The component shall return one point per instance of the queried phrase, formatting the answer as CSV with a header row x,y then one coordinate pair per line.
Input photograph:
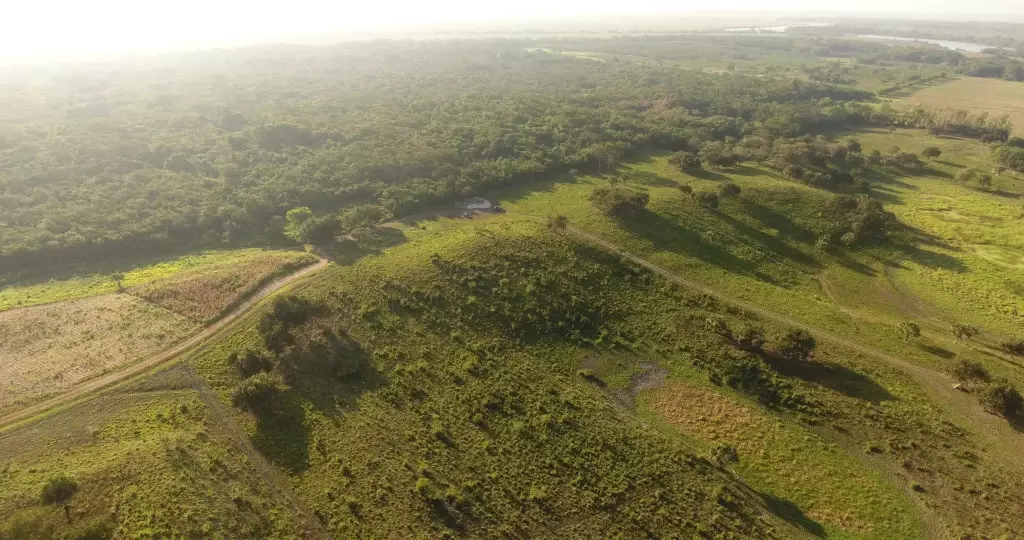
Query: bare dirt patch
x,y
45,349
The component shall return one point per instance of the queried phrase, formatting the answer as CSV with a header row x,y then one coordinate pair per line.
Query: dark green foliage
x,y
1013,348
932,152
257,393
1001,398
796,345
724,455
968,371
908,330
685,161
857,220
58,490
286,313
962,331
188,160
558,223
750,338
250,362
707,199
619,201
728,190
364,215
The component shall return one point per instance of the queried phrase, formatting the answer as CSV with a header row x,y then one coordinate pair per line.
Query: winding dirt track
x,y
937,384
166,356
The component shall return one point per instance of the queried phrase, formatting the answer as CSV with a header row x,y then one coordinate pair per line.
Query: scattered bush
x,y
250,362
58,490
707,199
724,455
908,330
968,371
1013,348
1001,398
797,345
257,393
619,201
728,190
685,160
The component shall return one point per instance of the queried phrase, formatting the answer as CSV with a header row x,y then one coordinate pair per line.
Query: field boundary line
x,y
161,359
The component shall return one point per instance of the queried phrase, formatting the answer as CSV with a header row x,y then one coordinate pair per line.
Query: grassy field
x,y
148,462
203,294
994,96
490,377
24,292
45,349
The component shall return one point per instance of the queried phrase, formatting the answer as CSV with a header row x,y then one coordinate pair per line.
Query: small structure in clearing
x,y
476,203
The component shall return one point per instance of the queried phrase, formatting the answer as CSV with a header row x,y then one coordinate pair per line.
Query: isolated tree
x,y
557,223
724,455
707,199
963,331
966,176
908,330
797,345
58,491
1002,398
750,338
685,189
295,219
257,393
728,190
932,152
118,278
364,215
985,181
853,146
965,371
619,201
685,160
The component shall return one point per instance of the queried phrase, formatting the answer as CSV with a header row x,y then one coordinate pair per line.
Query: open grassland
x,y
994,96
204,294
972,274
30,291
147,464
45,349
462,366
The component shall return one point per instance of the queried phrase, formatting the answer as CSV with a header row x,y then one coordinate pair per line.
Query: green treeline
x,y
216,148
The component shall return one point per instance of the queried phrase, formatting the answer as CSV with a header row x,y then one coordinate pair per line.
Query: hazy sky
x,y
33,27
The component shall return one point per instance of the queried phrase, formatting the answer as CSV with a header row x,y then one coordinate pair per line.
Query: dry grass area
x,y
994,96
204,295
782,459
45,349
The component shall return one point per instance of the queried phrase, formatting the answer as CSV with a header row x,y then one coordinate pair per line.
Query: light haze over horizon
x,y
85,28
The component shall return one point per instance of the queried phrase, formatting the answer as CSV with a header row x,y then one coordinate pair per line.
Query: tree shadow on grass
x,y
835,377
770,218
705,174
283,433
792,513
949,164
881,176
934,259
371,242
937,351
649,179
768,243
667,235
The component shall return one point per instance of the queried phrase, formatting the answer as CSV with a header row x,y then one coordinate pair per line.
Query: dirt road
x,y
109,379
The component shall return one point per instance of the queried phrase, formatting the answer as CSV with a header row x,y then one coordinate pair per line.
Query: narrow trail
x,y
277,481
962,406
168,355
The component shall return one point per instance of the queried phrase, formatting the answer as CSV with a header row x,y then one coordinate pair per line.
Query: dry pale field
x,y
45,349
204,295
994,96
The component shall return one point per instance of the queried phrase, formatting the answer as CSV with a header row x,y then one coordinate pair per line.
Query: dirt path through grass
x,y
103,381
275,479
996,431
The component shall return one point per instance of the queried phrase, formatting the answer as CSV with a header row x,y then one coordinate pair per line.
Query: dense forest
x,y
135,157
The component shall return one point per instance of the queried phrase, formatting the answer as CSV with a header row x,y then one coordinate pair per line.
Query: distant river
x,y
953,45
779,29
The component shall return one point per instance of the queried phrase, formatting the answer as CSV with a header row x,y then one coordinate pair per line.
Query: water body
x,y
779,29
952,45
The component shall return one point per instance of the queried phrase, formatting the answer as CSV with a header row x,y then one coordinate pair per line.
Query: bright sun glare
x,y
77,27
